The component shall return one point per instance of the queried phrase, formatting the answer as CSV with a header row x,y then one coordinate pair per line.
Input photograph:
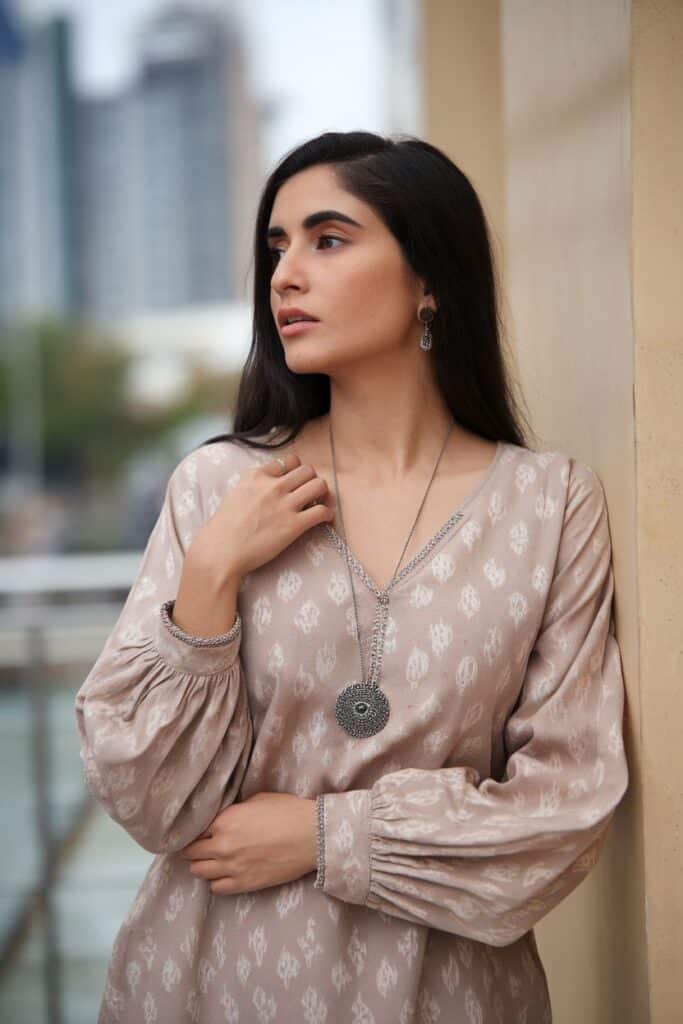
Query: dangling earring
x,y
426,316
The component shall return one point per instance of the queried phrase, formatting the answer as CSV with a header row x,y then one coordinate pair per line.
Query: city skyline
x,y
131,202
303,70
340,84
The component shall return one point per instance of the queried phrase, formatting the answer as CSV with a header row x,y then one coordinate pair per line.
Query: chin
x,y
306,360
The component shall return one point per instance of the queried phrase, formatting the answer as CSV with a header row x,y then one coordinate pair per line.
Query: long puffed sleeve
x,y
488,859
164,726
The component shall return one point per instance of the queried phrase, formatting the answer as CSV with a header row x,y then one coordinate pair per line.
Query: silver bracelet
x,y
198,641
320,874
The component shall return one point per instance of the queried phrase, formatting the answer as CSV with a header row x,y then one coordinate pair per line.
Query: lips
x,y
290,311
297,327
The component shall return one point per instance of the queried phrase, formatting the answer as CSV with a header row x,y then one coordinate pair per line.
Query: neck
x,y
387,425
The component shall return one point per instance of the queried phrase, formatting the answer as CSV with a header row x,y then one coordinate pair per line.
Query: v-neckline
x,y
445,528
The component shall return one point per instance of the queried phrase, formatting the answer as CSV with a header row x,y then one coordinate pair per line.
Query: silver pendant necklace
x,y
362,709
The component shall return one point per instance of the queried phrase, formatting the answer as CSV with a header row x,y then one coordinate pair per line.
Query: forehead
x,y
316,188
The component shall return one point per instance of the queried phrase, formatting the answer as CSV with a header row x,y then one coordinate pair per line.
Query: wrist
x,y
219,579
206,600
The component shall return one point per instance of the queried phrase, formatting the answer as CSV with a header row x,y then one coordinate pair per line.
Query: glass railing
x,y
69,873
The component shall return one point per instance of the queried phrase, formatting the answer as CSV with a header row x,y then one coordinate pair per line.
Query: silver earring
x,y
426,316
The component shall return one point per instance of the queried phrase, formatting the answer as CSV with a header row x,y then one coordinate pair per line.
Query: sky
x,y
313,65
320,61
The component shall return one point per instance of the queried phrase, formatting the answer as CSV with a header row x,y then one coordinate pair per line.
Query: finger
x,y
312,492
299,475
225,886
274,468
208,869
200,849
310,516
204,835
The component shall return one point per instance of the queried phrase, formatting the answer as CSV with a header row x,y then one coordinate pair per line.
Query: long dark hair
x,y
433,211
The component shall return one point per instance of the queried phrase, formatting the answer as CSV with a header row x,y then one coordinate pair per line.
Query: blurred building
x,y
108,187
188,153
133,202
153,171
36,212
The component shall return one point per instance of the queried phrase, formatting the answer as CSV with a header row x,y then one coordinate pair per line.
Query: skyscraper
x,y
154,165
187,156
131,202
36,108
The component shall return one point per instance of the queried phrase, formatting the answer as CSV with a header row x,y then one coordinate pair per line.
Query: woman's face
x,y
351,276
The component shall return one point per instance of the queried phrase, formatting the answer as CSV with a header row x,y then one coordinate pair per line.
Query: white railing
x,y
57,610
58,603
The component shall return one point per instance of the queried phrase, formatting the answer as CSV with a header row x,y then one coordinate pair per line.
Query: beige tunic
x,y
483,802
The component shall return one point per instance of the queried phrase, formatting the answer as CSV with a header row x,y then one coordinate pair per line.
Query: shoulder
x,y
202,477
567,476
561,494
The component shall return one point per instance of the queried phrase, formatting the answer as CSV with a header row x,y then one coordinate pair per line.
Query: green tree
x,y
88,427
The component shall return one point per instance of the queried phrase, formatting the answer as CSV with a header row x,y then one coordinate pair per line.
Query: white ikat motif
x,y
447,835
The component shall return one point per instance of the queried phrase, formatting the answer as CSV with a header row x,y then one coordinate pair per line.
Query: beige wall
x,y
657,261
566,118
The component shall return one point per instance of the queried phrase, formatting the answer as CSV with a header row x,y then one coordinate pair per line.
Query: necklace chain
x,y
383,595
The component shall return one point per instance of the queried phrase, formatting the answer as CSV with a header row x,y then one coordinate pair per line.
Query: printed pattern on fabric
x,y
445,837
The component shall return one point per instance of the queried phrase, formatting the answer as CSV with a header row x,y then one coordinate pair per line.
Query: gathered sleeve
x,y
488,859
164,725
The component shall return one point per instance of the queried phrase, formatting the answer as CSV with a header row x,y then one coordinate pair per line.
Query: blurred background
x,y
134,141
135,137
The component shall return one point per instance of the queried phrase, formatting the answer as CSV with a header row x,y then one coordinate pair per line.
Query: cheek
x,y
372,291
375,273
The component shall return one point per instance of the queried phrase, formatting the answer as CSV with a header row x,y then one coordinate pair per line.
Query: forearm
x,y
206,601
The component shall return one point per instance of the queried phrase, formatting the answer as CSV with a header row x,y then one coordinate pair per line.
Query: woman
x,y
364,699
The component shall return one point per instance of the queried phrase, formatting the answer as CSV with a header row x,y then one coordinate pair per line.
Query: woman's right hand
x,y
261,516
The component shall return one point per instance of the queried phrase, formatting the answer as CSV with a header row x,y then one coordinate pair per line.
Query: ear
x,y
423,291
426,291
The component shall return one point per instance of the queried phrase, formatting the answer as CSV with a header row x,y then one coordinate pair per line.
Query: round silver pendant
x,y
362,709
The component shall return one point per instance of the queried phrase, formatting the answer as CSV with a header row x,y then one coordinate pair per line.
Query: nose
x,y
287,273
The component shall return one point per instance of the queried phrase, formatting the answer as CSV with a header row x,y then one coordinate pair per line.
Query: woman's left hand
x,y
265,840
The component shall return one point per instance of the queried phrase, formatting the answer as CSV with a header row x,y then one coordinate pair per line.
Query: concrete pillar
x,y
566,117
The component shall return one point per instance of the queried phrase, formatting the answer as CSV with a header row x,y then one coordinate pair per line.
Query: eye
x,y
330,238
321,238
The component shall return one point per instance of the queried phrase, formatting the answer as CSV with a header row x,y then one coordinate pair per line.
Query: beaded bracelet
x,y
320,875
197,641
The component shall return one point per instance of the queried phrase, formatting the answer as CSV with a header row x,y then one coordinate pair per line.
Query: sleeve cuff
x,y
344,845
188,656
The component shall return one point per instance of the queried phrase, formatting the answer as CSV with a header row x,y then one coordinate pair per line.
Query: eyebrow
x,y
313,219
